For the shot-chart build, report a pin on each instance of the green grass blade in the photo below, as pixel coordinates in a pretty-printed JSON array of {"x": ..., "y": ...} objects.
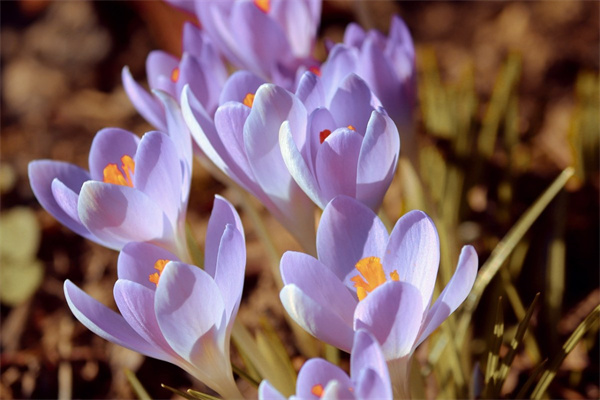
[
  {"x": 548, "y": 375},
  {"x": 514, "y": 344},
  {"x": 494, "y": 352},
  {"x": 505, "y": 247},
  {"x": 534, "y": 374},
  {"x": 137, "y": 386}
]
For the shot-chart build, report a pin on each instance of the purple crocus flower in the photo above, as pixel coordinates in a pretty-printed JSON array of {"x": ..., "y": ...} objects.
[
  {"x": 135, "y": 190},
  {"x": 243, "y": 142},
  {"x": 318, "y": 379},
  {"x": 173, "y": 311},
  {"x": 367, "y": 278},
  {"x": 386, "y": 64},
  {"x": 349, "y": 148},
  {"x": 200, "y": 67},
  {"x": 271, "y": 38}
]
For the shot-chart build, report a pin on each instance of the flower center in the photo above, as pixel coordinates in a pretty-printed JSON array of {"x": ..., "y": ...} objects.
[
  {"x": 175, "y": 74},
  {"x": 113, "y": 175},
  {"x": 159, "y": 265},
  {"x": 263, "y": 5},
  {"x": 317, "y": 390},
  {"x": 372, "y": 276},
  {"x": 249, "y": 100}
]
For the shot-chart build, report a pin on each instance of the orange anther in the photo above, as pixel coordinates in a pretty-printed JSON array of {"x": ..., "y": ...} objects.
[
  {"x": 315, "y": 70},
  {"x": 175, "y": 74},
  {"x": 113, "y": 175},
  {"x": 317, "y": 390},
  {"x": 323, "y": 135},
  {"x": 249, "y": 100},
  {"x": 351, "y": 128},
  {"x": 263, "y": 5},
  {"x": 159, "y": 265}
]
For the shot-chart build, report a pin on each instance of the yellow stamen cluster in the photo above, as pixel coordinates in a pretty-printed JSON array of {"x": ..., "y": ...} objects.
[
  {"x": 159, "y": 265},
  {"x": 372, "y": 276},
  {"x": 113, "y": 175}
]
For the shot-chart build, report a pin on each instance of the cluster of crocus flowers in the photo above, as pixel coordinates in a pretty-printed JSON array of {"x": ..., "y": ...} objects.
[
  {"x": 294, "y": 134},
  {"x": 365, "y": 278},
  {"x": 135, "y": 190},
  {"x": 174, "y": 311}
]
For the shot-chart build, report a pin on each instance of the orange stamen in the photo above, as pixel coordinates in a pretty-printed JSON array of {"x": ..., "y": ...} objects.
[
  {"x": 317, "y": 390},
  {"x": 372, "y": 276},
  {"x": 113, "y": 175},
  {"x": 175, "y": 74},
  {"x": 249, "y": 100},
  {"x": 263, "y": 5},
  {"x": 323, "y": 135},
  {"x": 315, "y": 70},
  {"x": 351, "y": 128},
  {"x": 158, "y": 265}
]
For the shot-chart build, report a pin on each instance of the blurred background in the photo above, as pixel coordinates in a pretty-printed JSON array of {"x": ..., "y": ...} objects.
[{"x": 537, "y": 62}]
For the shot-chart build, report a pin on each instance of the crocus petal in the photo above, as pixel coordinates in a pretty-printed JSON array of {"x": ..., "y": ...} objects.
[
  {"x": 158, "y": 173},
  {"x": 297, "y": 167},
  {"x": 392, "y": 313},
  {"x": 367, "y": 353},
  {"x": 317, "y": 371},
  {"x": 295, "y": 18},
  {"x": 65, "y": 198},
  {"x": 318, "y": 283},
  {"x": 136, "y": 304},
  {"x": 42, "y": 173},
  {"x": 180, "y": 135},
  {"x": 231, "y": 264},
  {"x": 348, "y": 232},
  {"x": 351, "y": 103},
  {"x": 371, "y": 386},
  {"x": 185, "y": 5},
  {"x": 222, "y": 214},
  {"x": 106, "y": 323},
  {"x": 378, "y": 72},
  {"x": 159, "y": 67},
  {"x": 191, "y": 72},
  {"x": 336, "y": 163},
  {"x": 239, "y": 84},
  {"x": 455, "y": 292},
  {"x": 354, "y": 35},
  {"x": 414, "y": 252},
  {"x": 272, "y": 105},
  {"x": 202, "y": 128},
  {"x": 267, "y": 392},
  {"x": 316, "y": 319},
  {"x": 335, "y": 390},
  {"x": 136, "y": 262},
  {"x": 143, "y": 101},
  {"x": 340, "y": 63},
  {"x": 320, "y": 120},
  {"x": 108, "y": 147},
  {"x": 119, "y": 214},
  {"x": 310, "y": 91},
  {"x": 377, "y": 160},
  {"x": 188, "y": 306},
  {"x": 368, "y": 368},
  {"x": 261, "y": 39}
]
